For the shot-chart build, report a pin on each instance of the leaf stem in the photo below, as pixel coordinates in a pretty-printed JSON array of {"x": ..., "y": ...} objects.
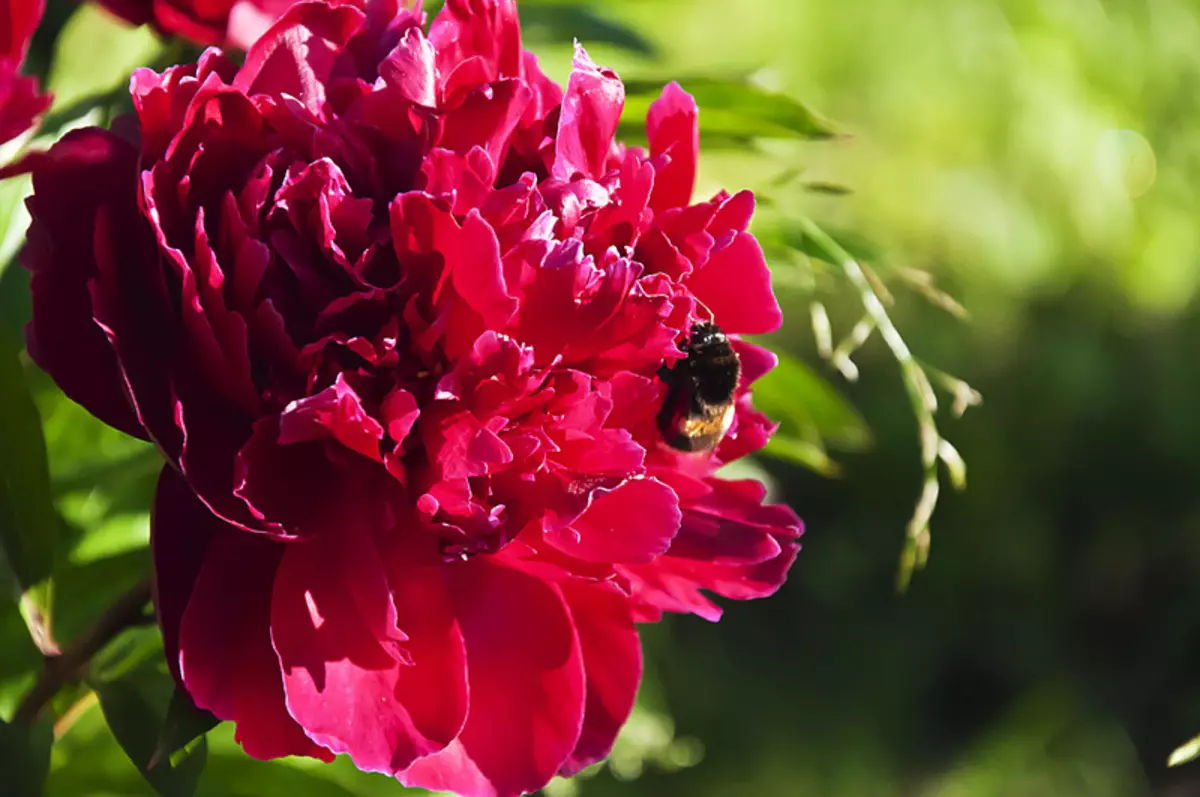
[{"x": 58, "y": 671}]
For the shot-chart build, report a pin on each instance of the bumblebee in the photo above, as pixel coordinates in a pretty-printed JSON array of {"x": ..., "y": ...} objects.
[{"x": 699, "y": 406}]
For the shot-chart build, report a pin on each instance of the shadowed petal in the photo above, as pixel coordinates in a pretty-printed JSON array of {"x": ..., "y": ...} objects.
[
  {"x": 225, "y": 655},
  {"x": 612, "y": 657}
]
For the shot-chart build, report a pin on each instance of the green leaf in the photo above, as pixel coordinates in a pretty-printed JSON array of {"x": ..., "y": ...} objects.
[
  {"x": 803, "y": 453},
  {"x": 809, "y": 408},
  {"x": 95, "y": 54},
  {"x": 20, "y": 661},
  {"x": 184, "y": 724},
  {"x": 28, "y": 521},
  {"x": 25, "y": 757},
  {"x": 16, "y": 306},
  {"x": 14, "y": 218},
  {"x": 556, "y": 23},
  {"x": 729, "y": 108},
  {"x": 103, "y": 480},
  {"x": 84, "y": 590},
  {"x": 132, "y": 649},
  {"x": 136, "y": 708}
]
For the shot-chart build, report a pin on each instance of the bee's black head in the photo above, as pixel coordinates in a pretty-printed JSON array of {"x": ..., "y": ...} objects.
[{"x": 705, "y": 334}]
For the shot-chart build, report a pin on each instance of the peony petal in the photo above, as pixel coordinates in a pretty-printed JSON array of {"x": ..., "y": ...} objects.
[
  {"x": 756, "y": 362},
  {"x": 400, "y": 412},
  {"x": 382, "y": 701},
  {"x": 729, "y": 543},
  {"x": 487, "y": 118},
  {"x": 306, "y": 488},
  {"x": 296, "y": 56},
  {"x": 181, "y": 530},
  {"x": 250, "y": 19},
  {"x": 474, "y": 255},
  {"x": 633, "y": 524},
  {"x": 225, "y": 655},
  {"x": 410, "y": 68},
  {"x": 484, "y": 29},
  {"x": 735, "y": 284},
  {"x": 591, "y": 109},
  {"x": 85, "y": 171},
  {"x": 335, "y": 412},
  {"x": 526, "y": 683},
  {"x": 20, "y": 103},
  {"x": 18, "y": 20},
  {"x": 612, "y": 657},
  {"x": 673, "y": 129},
  {"x": 434, "y": 247},
  {"x": 733, "y": 215}
]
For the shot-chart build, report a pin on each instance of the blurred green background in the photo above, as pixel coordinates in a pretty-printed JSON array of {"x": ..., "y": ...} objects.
[{"x": 1038, "y": 158}]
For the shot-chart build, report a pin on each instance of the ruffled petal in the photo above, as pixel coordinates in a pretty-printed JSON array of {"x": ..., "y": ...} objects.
[
  {"x": 486, "y": 30},
  {"x": 296, "y": 56},
  {"x": 729, "y": 543}
]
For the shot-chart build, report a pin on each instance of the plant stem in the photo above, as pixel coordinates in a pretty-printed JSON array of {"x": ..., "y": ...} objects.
[
  {"x": 60, "y": 670},
  {"x": 920, "y": 394}
]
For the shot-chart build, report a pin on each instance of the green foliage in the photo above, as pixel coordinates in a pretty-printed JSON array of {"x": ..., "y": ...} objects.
[
  {"x": 95, "y": 54},
  {"x": 184, "y": 726},
  {"x": 812, "y": 416},
  {"x": 28, "y": 523},
  {"x": 25, "y": 756},
  {"x": 137, "y": 705}
]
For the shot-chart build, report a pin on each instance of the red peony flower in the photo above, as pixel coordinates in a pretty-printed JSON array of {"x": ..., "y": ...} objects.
[
  {"x": 395, "y": 307},
  {"x": 20, "y": 101},
  {"x": 235, "y": 23}
]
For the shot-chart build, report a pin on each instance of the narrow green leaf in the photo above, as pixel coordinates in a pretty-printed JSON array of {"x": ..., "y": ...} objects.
[
  {"x": 95, "y": 54},
  {"x": 25, "y": 757},
  {"x": 854, "y": 243},
  {"x": 184, "y": 724},
  {"x": 28, "y": 521},
  {"x": 832, "y": 189},
  {"x": 135, "y": 706},
  {"x": 734, "y": 108},
  {"x": 809, "y": 408}
]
